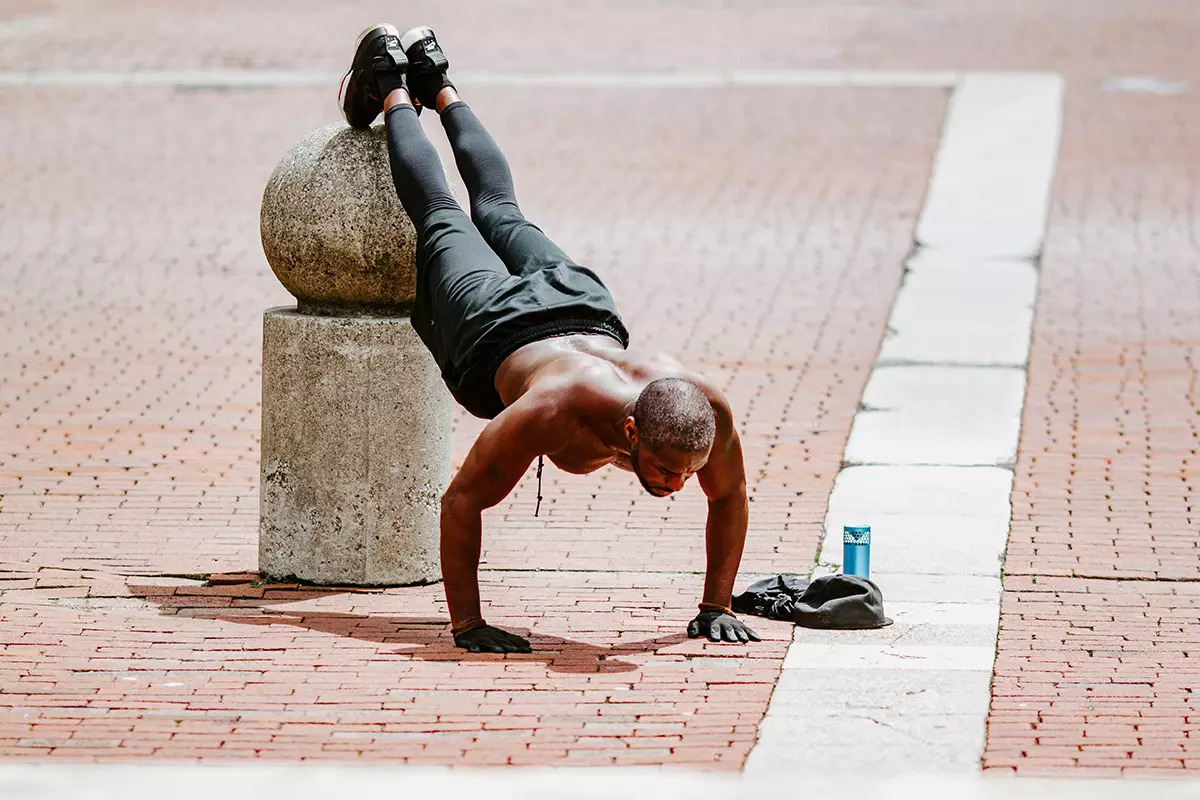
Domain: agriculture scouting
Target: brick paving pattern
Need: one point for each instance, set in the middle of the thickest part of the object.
(129, 425)
(1101, 613)
(130, 420)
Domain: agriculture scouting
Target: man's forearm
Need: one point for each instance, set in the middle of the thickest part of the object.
(725, 537)
(462, 535)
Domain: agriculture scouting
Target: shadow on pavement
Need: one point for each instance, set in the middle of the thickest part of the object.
(423, 638)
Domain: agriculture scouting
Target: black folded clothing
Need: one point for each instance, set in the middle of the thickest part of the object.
(773, 598)
(840, 602)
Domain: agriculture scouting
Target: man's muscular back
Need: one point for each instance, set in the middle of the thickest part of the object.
(594, 382)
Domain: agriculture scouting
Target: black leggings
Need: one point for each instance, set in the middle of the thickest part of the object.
(490, 283)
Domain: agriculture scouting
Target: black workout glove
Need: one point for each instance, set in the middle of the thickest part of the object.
(486, 639)
(721, 626)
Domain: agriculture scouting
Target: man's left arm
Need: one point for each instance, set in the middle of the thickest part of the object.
(723, 480)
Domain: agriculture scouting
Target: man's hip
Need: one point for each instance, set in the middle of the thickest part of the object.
(471, 326)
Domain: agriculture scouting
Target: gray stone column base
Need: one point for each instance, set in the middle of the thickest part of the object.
(355, 450)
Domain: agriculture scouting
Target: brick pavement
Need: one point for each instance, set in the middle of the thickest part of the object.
(1098, 618)
(1101, 613)
(1098, 606)
(130, 389)
(1079, 37)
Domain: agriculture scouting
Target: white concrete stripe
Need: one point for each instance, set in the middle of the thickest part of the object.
(302, 78)
(26, 26)
(928, 547)
(926, 587)
(961, 311)
(922, 491)
(948, 613)
(938, 427)
(886, 690)
(211, 78)
(990, 192)
(881, 79)
(934, 520)
(812, 656)
(923, 415)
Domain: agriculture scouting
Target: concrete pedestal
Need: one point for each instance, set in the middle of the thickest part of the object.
(355, 450)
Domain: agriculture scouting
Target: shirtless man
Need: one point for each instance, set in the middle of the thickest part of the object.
(532, 341)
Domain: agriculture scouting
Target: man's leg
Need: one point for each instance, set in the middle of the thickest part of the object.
(484, 169)
(416, 168)
(493, 203)
(521, 244)
(455, 266)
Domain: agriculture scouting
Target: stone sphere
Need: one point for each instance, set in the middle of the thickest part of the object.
(333, 229)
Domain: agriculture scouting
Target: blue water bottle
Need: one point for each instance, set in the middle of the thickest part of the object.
(856, 550)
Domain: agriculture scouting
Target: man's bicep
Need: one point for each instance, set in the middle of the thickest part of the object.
(500, 456)
(725, 473)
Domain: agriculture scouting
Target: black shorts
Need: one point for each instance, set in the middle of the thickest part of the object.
(492, 282)
(472, 316)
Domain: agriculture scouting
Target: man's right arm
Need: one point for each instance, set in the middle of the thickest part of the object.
(496, 462)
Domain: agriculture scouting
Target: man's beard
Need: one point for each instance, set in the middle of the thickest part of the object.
(655, 491)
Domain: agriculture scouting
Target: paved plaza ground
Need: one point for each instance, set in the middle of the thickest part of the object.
(759, 233)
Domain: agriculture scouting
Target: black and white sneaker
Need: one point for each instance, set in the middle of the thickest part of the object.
(378, 68)
(427, 65)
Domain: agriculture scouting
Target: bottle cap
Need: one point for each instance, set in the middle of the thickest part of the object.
(856, 534)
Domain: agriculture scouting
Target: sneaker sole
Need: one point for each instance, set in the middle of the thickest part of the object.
(414, 35)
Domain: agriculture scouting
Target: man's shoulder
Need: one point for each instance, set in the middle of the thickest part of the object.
(599, 382)
(603, 379)
(590, 385)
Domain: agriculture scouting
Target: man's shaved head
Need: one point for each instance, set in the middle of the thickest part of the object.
(675, 413)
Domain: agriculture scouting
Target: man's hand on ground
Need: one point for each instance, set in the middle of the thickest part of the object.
(719, 626)
(487, 639)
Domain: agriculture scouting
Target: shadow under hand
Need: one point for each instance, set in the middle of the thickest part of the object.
(424, 638)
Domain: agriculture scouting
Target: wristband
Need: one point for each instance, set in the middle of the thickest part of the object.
(467, 625)
(716, 607)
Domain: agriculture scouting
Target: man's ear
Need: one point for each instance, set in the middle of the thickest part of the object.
(631, 430)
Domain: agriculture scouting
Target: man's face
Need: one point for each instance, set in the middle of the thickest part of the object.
(666, 471)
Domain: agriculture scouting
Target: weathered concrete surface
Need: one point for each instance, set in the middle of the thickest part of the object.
(333, 228)
(355, 450)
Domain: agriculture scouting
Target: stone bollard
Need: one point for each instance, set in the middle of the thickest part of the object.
(355, 417)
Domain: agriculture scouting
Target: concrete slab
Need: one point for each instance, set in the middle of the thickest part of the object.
(908, 587)
(924, 634)
(24, 26)
(862, 492)
(813, 656)
(989, 195)
(953, 310)
(934, 415)
(902, 691)
(897, 742)
(985, 438)
(937, 391)
(890, 753)
(947, 545)
(842, 727)
(919, 587)
(910, 613)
